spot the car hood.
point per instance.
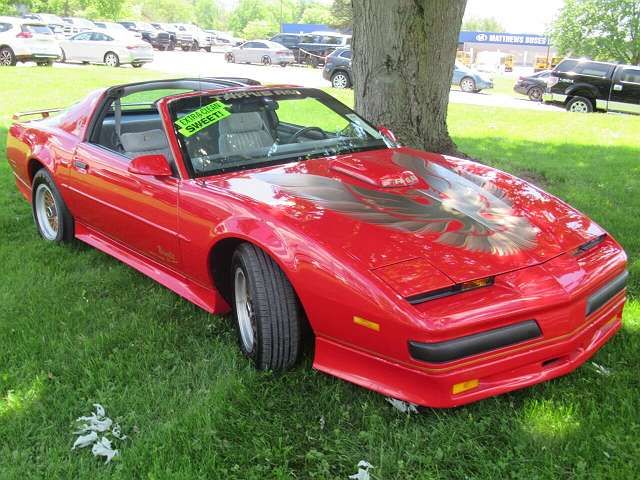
(393, 205)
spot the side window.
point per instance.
(346, 54)
(566, 66)
(593, 69)
(249, 45)
(260, 45)
(630, 75)
(82, 36)
(5, 27)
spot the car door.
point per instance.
(78, 46)
(261, 50)
(137, 211)
(243, 52)
(625, 91)
(100, 44)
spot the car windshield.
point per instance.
(243, 130)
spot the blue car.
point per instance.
(470, 80)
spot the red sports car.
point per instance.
(427, 278)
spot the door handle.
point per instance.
(80, 165)
(617, 87)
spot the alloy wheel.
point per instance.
(467, 85)
(111, 60)
(5, 58)
(47, 212)
(579, 106)
(340, 81)
(244, 310)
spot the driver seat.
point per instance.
(243, 131)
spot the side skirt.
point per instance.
(206, 298)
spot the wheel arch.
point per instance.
(583, 90)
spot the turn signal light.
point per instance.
(465, 386)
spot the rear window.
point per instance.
(41, 29)
(346, 54)
(593, 69)
(630, 75)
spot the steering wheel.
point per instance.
(294, 137)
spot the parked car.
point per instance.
(337, 68)
(25, 40)
(108, 48)
(225, 39)
(265, 52)
(73, 25)
(470, 80)
(54, 22)
(584, 86)
(157, 38)
(431, 278)
(116, 28)
(180, 39)
(313, 48)
(201, 39)
(532, 86)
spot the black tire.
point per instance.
(468, 85)
(207, 49)
(535, 94)
(579, 105)
(195, 47)
(111, 59)
(7, 57)
(283, 64)
(230, 58)
(136, 65)
(172, 46)
(48, 63)
(186, 49)
(65, 230)
(273, 310)
(266, 60)
(63, 59)
(340, 79)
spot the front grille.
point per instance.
(163, 36)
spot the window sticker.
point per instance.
(202, 118)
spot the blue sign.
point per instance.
(303, 27)
(504, 38)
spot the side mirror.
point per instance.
(388, 134)
(156, 165)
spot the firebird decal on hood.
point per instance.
(465, 212)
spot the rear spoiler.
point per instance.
(43, 113)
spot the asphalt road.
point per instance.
(213, 64)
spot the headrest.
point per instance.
(243, 122)
(144, 141)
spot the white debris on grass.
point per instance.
(601, 369)
(88, 433)
(103, 448)
(363, 471)
(85, 440)
(404, 407)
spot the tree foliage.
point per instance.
(342, 13)
(483, 24)
(599, 29)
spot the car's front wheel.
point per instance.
(580, 105)
(266, 60)
(7, 57)
(468, 84)
(340, 80)
(52, 218)
(136, 65)
(266, 310)
(111, 60)
(535, 94)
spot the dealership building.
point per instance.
(523, 46)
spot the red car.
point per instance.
(427, 278)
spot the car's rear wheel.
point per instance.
(52, 218)
(48, 63)
(266, 60)
(535, 94)
(230, 58)
(136, 65)
(195, 47)
(7, 57)
(283, 64)
(580, 105)
(340, 80)
(468, 84)
(266, 310)
(186, 48)
(111, 60)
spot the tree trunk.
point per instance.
(403, 56)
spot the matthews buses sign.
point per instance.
(504, 38)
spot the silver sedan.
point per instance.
(261, 51)
(108, 47)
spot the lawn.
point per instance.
(78, 327)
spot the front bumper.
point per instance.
(483, 84)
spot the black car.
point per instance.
(532, 86)
(585, 85)
(312, 48)
(337, 68)
(157, 38)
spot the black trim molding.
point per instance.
(458, 348)
(606, 293)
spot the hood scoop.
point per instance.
(376, 172)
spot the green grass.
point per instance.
(77, 327)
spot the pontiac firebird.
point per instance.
(427, 278)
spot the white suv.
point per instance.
(23, 40)
(201, 39)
